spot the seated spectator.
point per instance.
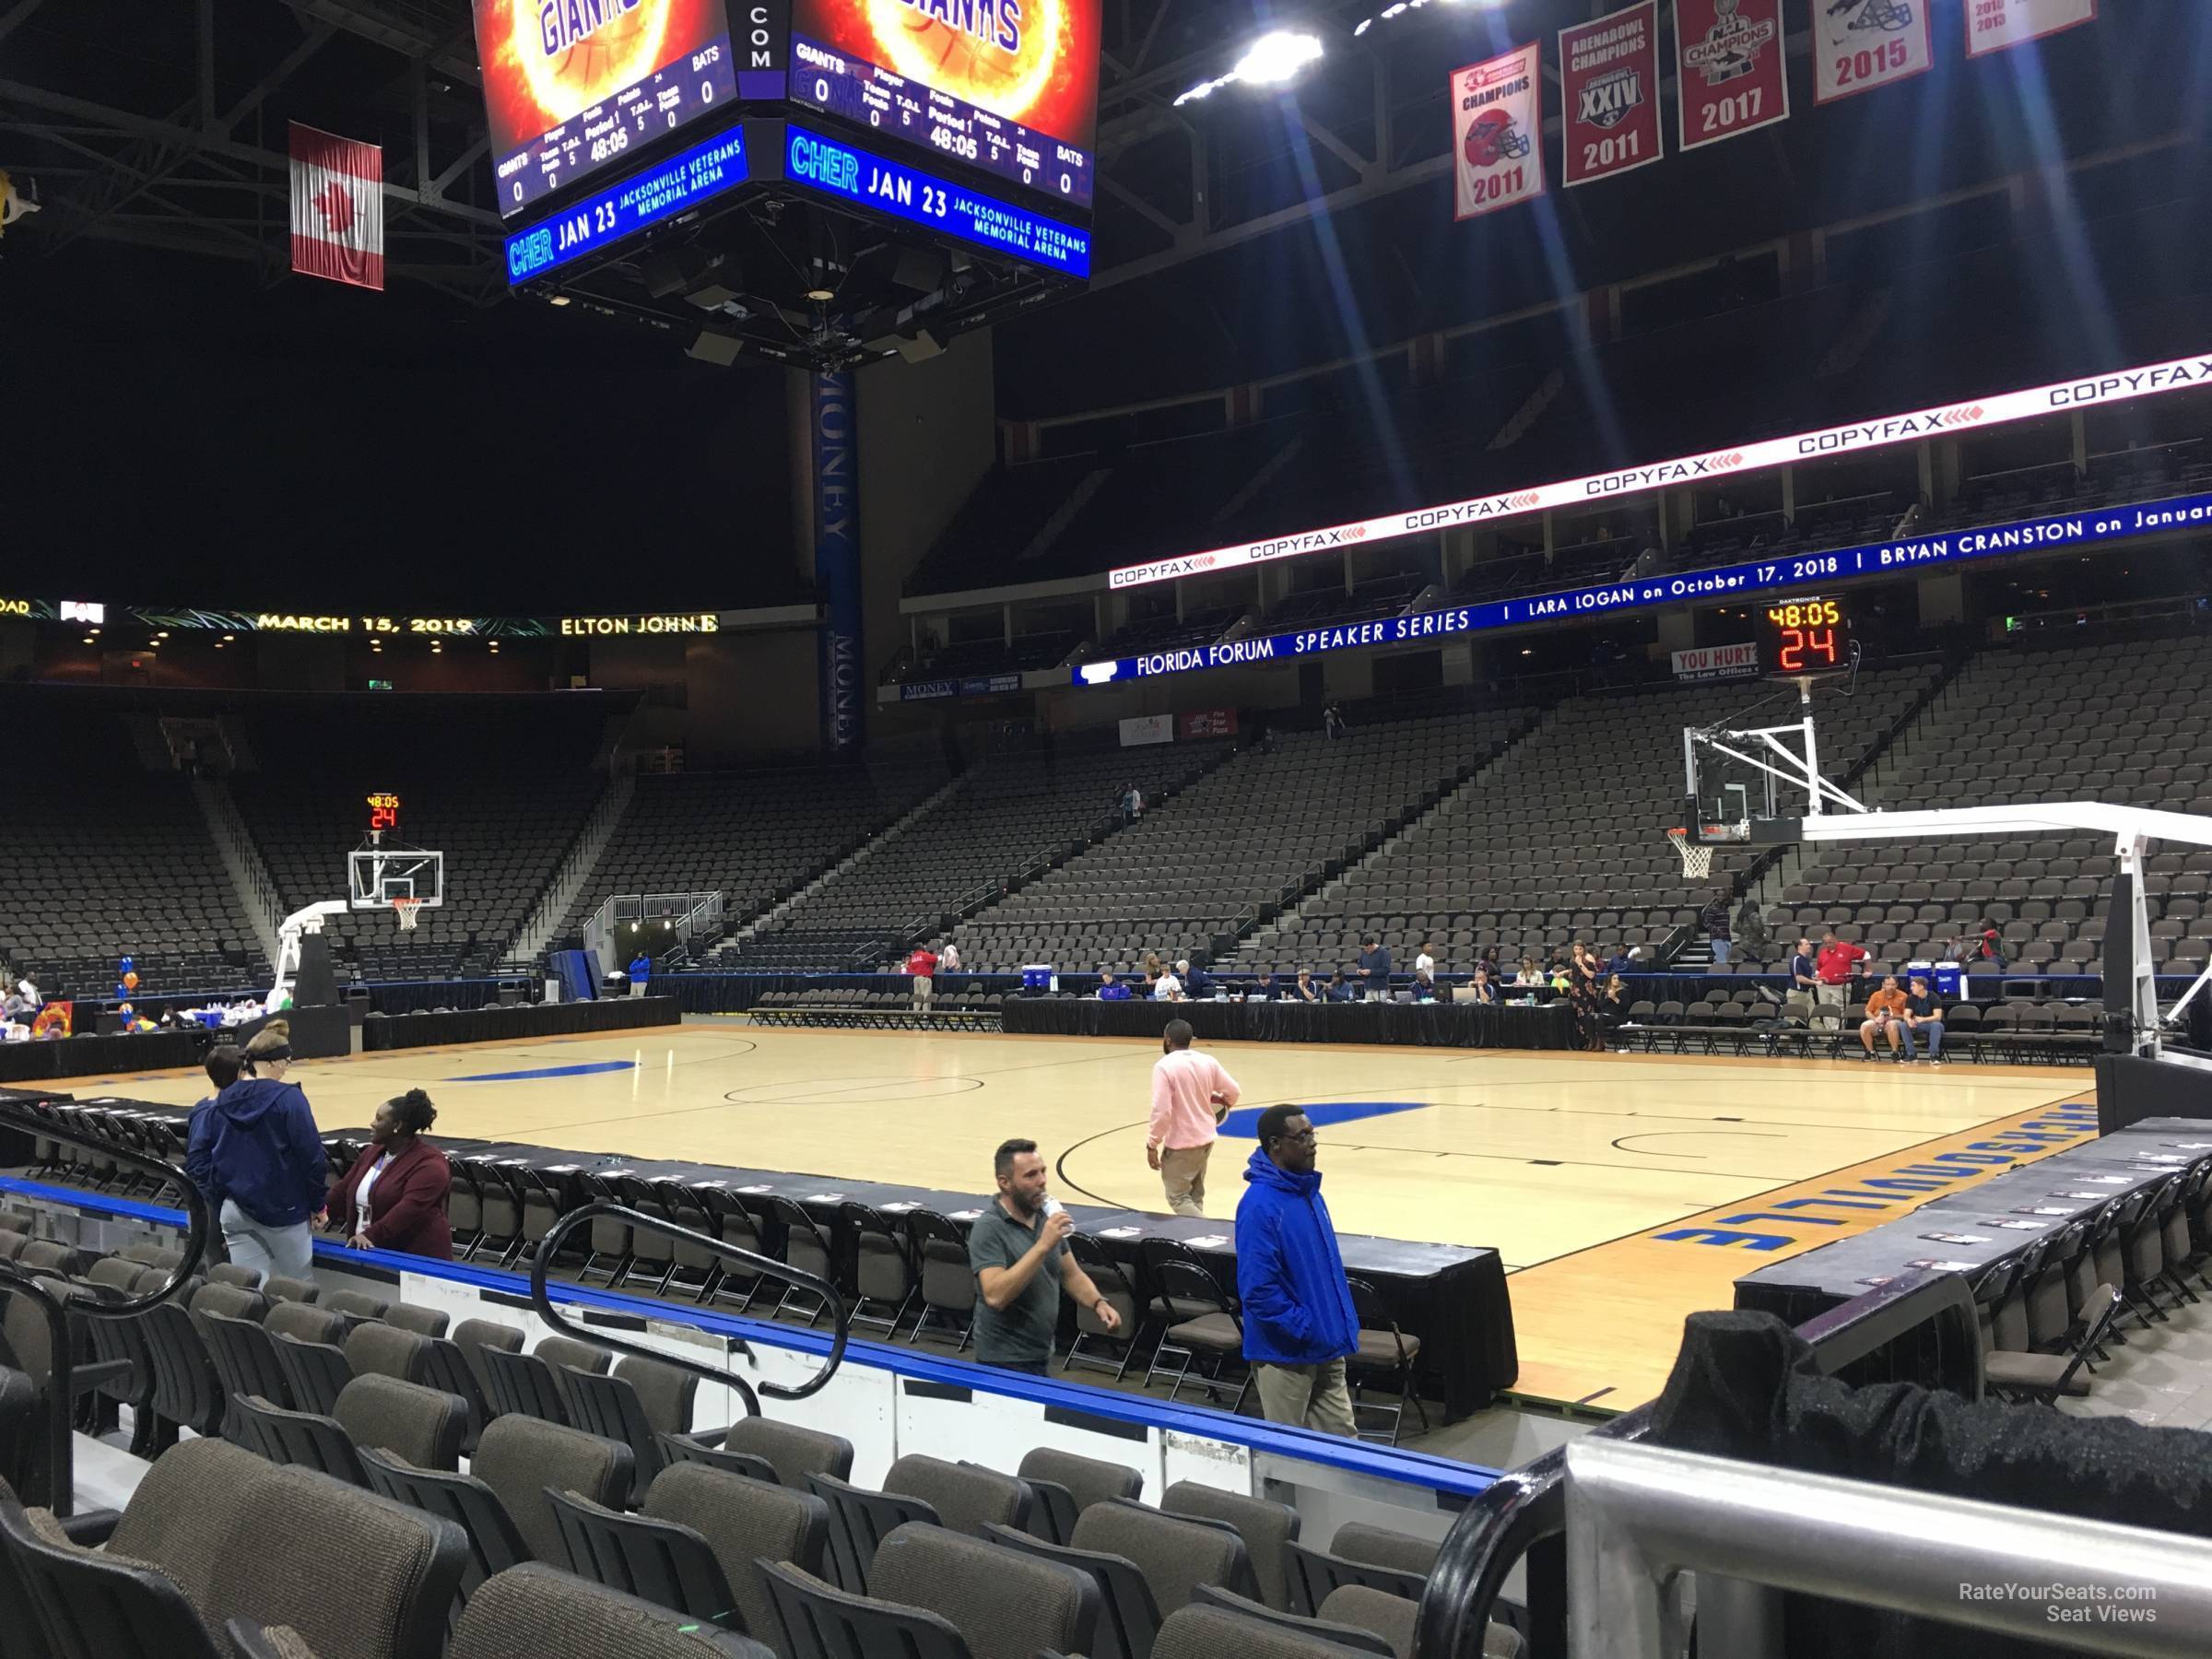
(1528, 974)
(1424, 985)
(1991, 947)
(1620, 961)
(1262, 989)
(1167, 988)
(1481, 987)
(1108, 989)
(1305, 990)
(1923, 1019)
(1340, 988)
(1197, 982)
(1885, 1014)
(1560, 977)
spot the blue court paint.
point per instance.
(1244, 1124)
(585, 1070)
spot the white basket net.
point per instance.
(409, 911)
(1697, 858)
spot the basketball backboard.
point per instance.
(376, 876)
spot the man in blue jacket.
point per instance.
(1298, 1324)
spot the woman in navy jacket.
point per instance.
(394, 1198)
(255, 1152)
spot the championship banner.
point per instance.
(1209, 722)
(338, 208)
(1495, 119)
(1609, 94)
(1861, 44)
(1994, 25)
(1730, 57)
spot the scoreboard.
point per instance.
(1010, 87)
(1800, 637)
(875, 97)
(662, 173)
(572, 87)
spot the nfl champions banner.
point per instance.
(1730, 57)
(1610, 93)
(1861, 44)
(1994, 24)
(1496, 120)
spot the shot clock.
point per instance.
(1799, 637)
(383, 812)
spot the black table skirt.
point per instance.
(1442, 1025)
(96, 1056)
(518, 1024)
(1452, 1297)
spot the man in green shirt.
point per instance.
(1019, 1256)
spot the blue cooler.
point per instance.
(1946, 978)
(1038, 979)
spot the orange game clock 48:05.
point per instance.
(1804, 636)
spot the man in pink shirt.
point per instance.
(1191, 1095)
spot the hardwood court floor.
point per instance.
(1545, 1158)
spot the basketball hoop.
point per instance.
(1697, 858)
(409, 911)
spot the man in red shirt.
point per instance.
(922, 967)
(1838, 964)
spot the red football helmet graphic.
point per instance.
(1493, 138)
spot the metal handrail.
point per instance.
(61, 1359)
(840, 1319)
(1523, 1513)
(1644, 1514)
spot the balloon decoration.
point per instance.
(126, 981)
(130, 981)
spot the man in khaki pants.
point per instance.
(1191, 1095)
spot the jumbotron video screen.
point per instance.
(572, 85)
(1008, 85)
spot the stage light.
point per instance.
(1273, 60)
(559, 300)
(228, 638)
(1277, 56)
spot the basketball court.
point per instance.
(1576, 1168)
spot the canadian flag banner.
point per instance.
(337, 207)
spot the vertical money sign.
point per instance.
(836, 445)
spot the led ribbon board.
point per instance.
(1944, 421)
(1730, 581)
(920, 198)
(623, 209)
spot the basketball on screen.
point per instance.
(998, 58)
(589, 50)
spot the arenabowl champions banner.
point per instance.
(1497, 119)
(1609, 94)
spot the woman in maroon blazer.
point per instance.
(394, 1198)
